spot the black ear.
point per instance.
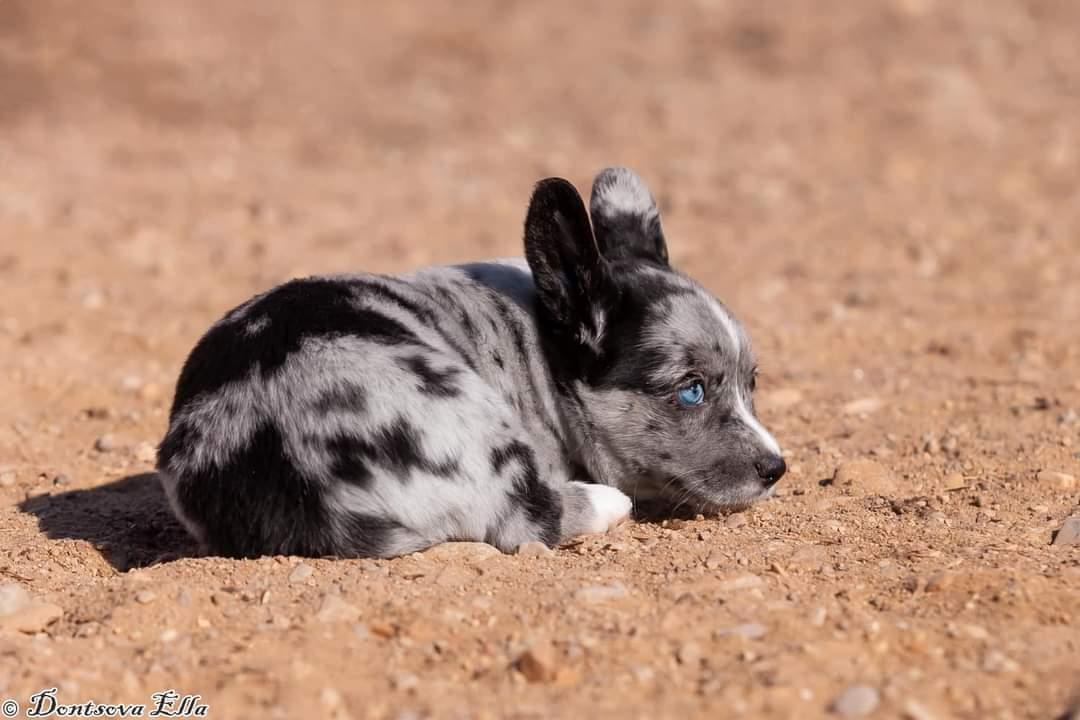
(573, 283)
(625, 217)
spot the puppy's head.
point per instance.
(661, 375)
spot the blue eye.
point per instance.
(692, 394)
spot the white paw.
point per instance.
(610, 507)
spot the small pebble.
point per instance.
(334, 609)
(61, 480)
(689, 653)
(737, 520)
(382, 629)
(168, 635)
(1057, 480)
(955, 481)
(145, 597)
(7, 479)
(856, 701)
(538, 663)
(145, 452)
(714, 561)
(301, 572)
(1069, 534)
(404, 681)
(13, 597)
(533, 549)
(914, 710)
(105, 443)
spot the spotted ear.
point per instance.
(625, 217)
(573, 282)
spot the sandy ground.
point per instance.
(885, 192)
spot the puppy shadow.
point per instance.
(128, 521)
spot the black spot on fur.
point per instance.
(347, 397)
(498, 360)
(540, 503)
(350, 460)
(437, 383)
(396, 447)
(663, 455)
(259, 502)
(297, 311)
(444, 300)
(626, 236)
(378, 291)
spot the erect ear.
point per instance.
(625, 217)
(572, 280)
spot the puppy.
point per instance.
(504, 402)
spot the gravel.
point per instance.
(105, 443)
(301, 573)
(335, 609)
(13, 597)
(856, 701)
(736, 520)
(145, 452)
(539, 663)
(145, 597)
(1069, 534)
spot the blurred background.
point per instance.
(897, 174)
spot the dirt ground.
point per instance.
(885, 192)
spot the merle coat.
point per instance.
(504, 401)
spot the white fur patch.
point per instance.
(610, 507)
(744, 414)
(728, 324)
(622, 192)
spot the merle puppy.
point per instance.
(504, 401)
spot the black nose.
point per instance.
(771, 469)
